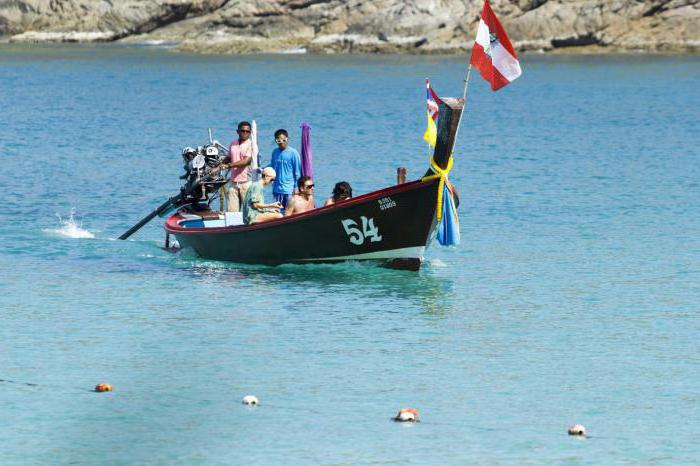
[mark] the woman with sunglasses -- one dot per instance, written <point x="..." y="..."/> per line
<point x="303" y="200"/>
<point x="341" y="192"/>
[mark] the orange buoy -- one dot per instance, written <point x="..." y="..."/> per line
<point x="407" y="415"/>
<point x="577" y="429"/>
<point x="103" y="387"/>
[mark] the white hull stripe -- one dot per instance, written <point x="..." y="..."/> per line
<point x="415" y="252"/>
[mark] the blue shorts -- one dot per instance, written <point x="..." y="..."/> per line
<point x="282" y="199"/>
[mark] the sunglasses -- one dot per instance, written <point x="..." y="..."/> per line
<point x="281" y="141"/>
<point x="244" y="131"/>
<point x="309" y="186"/>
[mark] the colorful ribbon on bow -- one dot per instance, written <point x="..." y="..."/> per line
<point x="442" y="174"/>
<point x="448" y="229"/>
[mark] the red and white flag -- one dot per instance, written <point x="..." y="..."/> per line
<point x="493" y="53"/>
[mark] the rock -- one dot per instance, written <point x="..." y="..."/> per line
<point x="380" y="26"/>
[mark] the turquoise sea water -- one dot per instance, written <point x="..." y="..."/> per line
<point x="574" y="297"/>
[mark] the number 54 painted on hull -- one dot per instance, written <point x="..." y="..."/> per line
<point x="357" y="236"/>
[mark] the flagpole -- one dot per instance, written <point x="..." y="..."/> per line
<point x="464" y="99"/>
<point x="427" y="86"/>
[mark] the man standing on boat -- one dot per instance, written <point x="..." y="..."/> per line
<point x="287" y="164"/>
<point x="241" y="153"/>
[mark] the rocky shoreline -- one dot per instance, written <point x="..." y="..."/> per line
<point x="357" y="26"/>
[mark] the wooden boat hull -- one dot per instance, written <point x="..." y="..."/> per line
<point x="392" y="226"/>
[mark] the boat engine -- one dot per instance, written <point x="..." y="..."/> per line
<point x="203" y="178"/>
<point x="202" y="173"/>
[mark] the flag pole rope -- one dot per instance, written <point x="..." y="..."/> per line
<point x="464" y="108"/>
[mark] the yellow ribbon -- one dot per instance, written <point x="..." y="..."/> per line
<point x="442" y="174"/>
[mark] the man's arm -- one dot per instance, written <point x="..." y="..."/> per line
<point x="229" y="164"/>
<point x="273" y="159"/>
<point x="256" y="202"/>
<point x="261" y="206"/>
<point x="241" y="163"/>
<point x="290" y="206"/>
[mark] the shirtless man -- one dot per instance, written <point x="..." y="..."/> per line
<point x="302" y="201"/>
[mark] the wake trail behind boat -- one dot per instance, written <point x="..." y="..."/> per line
<point x="70" y="228"/>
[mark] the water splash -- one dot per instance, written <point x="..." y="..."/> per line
<point x="70" y="228"/>
<point x="436" y="263"/>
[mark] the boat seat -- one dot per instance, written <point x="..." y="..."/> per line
<point x="208" y="214"/>
<point x="234" y="219"/>
<point x="187" y="216"/>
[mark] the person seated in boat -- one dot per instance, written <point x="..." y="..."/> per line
<point x="287" y="164"/>
<point x="255" y="210"/>
<point x="341" y="192"/>
<point x="303" y="200"/>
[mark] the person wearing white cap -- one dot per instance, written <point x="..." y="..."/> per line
<point x="254" y="208"/>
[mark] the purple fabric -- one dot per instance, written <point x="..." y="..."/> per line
<point x="307" y="160"/>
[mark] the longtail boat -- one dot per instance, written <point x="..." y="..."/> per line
<point x="392" y="226"/>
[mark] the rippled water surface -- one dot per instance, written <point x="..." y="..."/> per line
<point x="574" y="297"/>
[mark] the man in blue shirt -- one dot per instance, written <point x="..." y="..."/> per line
<point x="287" y="165"/>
